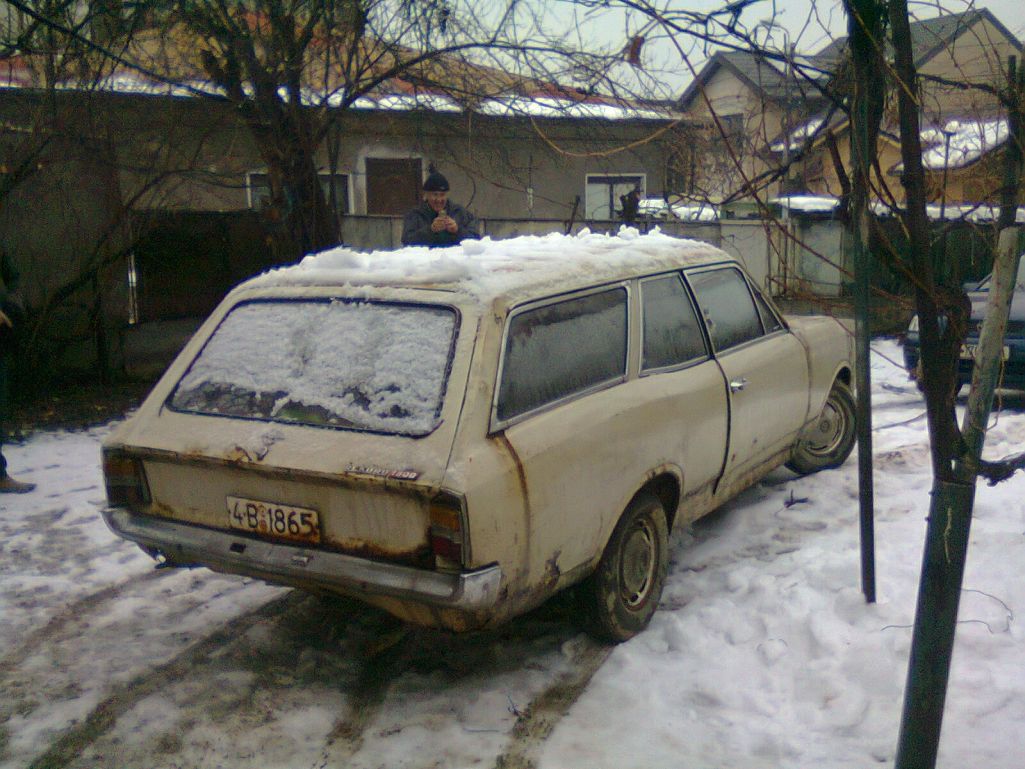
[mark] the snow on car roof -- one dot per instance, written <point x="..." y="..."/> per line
<point x="486" y="269"/>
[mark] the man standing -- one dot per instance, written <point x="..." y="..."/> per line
<point x="631" y="203"/>
<point x="438" y="221"/>
<point x="11" y="313"/>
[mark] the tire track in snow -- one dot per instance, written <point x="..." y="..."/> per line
<point x="259" y="667"/>
<point x="108" y="627"/>
<point x="65" y="749"/>
<point x="396" y="651"/>
<point x="69" y="619"/>
<point x="535" y="724"/>
<point x="367" y="695"/>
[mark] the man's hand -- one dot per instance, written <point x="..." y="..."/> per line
<point x="444" y="222"/>
<point x="4" y="320"/>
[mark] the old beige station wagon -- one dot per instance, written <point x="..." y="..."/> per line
<point x="455" y="435"/>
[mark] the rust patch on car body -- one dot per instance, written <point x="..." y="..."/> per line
<point x="420" y="556"/>
<point x="521" y="474"/>
<point x="527" y="523"/>
<point x="239" y="455"/>
<point x="552" y="572"/>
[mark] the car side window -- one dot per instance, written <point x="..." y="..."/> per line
<point x="727" y="306"/>
<point x="672" y="330"/>
<point x="563" y="348"/>
<point x="769" y="319"/>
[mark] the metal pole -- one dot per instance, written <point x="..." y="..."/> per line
<point x="862" y="337"/>
<point x="863" y="382"/>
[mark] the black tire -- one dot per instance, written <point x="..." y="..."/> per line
<point x="620" y="597"/>
<point x="829" y="441"/>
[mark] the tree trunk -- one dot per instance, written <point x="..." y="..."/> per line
<point x="950" y="511"/>
<point x="298" y="205"/>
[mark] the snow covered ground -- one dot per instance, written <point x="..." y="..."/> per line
<point x="764" y="653"/>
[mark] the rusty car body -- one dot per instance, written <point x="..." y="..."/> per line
<point x="454" y="436"/>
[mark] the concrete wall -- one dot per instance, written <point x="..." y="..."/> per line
<point x="60" y="225"/>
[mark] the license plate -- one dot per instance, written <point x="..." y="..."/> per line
<point x="968" y="351"/>
<point x="273" y="519"/>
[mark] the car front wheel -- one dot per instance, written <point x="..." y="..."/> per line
<point x="620" y="597"/>
<point x="829" y="441"/>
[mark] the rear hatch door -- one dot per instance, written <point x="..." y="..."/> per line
<point x="310" y="419"/>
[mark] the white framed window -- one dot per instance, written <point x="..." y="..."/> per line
<point x="603" y="191"/>
<point x="258" y="189"/>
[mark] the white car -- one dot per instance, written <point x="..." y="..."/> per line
<point x="456" y="434"/>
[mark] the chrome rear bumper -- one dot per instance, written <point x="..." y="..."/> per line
<point x="187" y="545"/>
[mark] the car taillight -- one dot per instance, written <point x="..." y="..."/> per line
<point x="125" y="479"/>
<point x="446" y="532"/>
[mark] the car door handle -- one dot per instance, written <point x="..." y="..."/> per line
<point x="736" y="385"/>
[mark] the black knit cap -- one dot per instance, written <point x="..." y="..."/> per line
<point x="435" y="182"/>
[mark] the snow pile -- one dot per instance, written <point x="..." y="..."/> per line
<point x="697" y="212"/>
<point x="687" y="212"/>
<point x="487" y="268"/>
<point x="969" y="212"/>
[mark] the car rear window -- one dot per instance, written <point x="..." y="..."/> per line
<point x="359" y="365"/>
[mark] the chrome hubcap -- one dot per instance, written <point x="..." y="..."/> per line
<point x="637" y="566"/>
<point x="829" y="431"/>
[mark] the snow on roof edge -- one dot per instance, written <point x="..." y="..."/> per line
<point x="519" y="106"/>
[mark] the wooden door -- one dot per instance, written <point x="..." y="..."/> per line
<point x="393" y="185"/>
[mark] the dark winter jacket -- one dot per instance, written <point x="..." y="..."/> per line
<point x="416" y="227"/>
<point x="10" y="301"/>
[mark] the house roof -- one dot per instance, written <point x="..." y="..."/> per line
<point x="169" y="65"/>
<point x="757" y="72"/>
<point x="928" y="37"/>
<point x="766" y="79"/>
<point x="960" y="143"/>
<point x="970" y="138"/>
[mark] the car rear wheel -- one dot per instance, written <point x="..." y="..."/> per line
<point x="620" y="597"/>
<point x="829" y="441"/>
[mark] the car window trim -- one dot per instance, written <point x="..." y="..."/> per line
<point x="737" y="267"/>
<point x="706" y="339"/>
<point x="496" y="424"/>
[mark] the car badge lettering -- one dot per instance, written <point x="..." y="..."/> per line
<point x="381" y="472"/>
